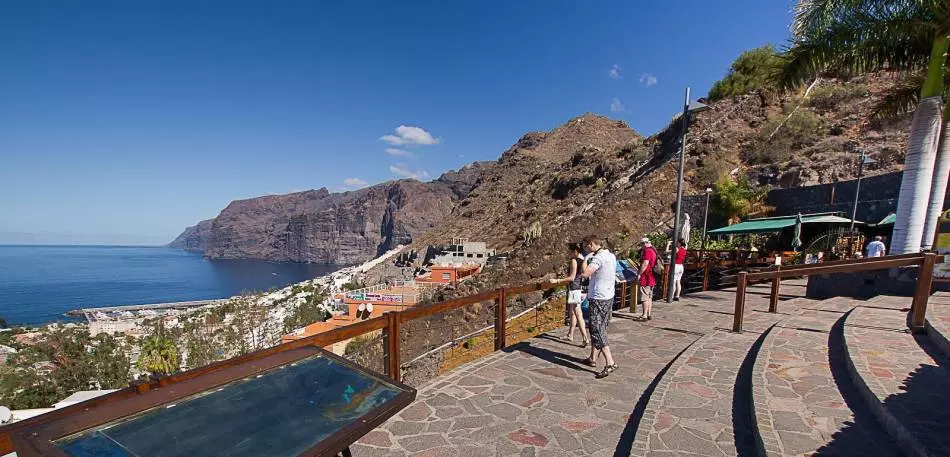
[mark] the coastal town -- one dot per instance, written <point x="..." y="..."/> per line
<point x="339" y="297"/>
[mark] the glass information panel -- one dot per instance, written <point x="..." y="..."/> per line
<point x="281" y="412"/>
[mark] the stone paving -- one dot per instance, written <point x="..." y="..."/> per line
<point x="536" y="398"/>
<point x="938" y="318"/>
<point x="903" y="377"/>
<point x="800" y="406"/>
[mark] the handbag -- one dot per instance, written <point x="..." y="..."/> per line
<point x="574" y="297"/>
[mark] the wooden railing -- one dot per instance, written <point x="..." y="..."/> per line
<point x="925" y="261"/>
<point x="390" y="323"/>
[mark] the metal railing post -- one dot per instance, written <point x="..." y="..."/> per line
<point x="922" y="294"/>
<point x="391" y="348"/>
<point x="740" y="302"/>
<point x="501" y="314"/>
<point x="776" y="284"/>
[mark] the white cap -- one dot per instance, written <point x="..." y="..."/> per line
<point x="645" y="240"/>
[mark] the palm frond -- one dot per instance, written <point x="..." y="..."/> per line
<point x="855" y="42"/>
<point x="902" y="98"/>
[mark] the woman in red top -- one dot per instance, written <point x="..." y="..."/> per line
<point x="678" y="270"/>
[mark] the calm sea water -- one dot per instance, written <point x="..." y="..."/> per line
<point x="40" y="283"/>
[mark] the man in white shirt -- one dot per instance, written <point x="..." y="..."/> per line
<point x="876" y="248"/>
<point x="601" y="269"/>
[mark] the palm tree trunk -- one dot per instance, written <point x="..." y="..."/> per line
<point x="938" y="189"/>
<point x="921" y="154"/>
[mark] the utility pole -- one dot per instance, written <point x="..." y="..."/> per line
<point x="679" y="199"/>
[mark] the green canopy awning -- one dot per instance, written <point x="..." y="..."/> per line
<point x="776" y="224"/>
<point x="889" y="220"/>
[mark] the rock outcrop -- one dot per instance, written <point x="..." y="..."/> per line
<point x="322" y="227"/>
<point x="194" y="238"/>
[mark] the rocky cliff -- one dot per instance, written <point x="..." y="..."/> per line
<point x="194" y="238"/>
<point x="339" y="228"/>
<point x="590" y="175"/>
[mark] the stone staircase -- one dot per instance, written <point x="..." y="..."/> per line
<point x="833" y="377"/>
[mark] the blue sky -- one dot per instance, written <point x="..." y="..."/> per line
<point x="123" y="122"/>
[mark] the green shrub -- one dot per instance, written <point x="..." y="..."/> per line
<point x="752" y="70"/>
<point x="801" y="130"/>
<point x="830" y="96"/>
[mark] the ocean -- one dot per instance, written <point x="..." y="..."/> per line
<point x="40" y="283"/>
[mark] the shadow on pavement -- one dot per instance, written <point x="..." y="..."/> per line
<point x="557" y="358"/>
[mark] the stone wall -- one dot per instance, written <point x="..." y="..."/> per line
<point x="878" y="198"/>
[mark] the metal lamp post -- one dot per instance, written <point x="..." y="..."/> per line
<point x="702" y="249"/>
<point x="865" y="160"/>
<point x="689" y="108"/>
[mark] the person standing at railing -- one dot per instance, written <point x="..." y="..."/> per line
<point x="600" y="267"/>
<point x="648" y="259"/>
<point x="679" y="261"/>
<point x="576" y="294"/>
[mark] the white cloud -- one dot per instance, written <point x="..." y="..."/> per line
<point x="406" y="134"/>
<point x="400" y="153"/>
<point x="648" y="80"/>
<point x="354" y="182"/>
<point x="616" y="106"/>
<point x="403" y="171"/>
<point x="614" y="72"/>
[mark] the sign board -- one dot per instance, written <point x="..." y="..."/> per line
<point x="942" y="246"/>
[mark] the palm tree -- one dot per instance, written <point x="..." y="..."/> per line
<point x="913" y="36"/>
<point x="158" y="355"/>
<point x="737" y="198"/>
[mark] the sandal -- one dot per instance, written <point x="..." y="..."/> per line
<point x="590" y="362"/>
<point x="583" y="344"/>
<point x="607" y="370"/>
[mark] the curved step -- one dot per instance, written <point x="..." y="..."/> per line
<point x="902" y="377"/>
<point x="938" y="321"/>
<point x="691" y="409"/>
<point x="804" y="401"/>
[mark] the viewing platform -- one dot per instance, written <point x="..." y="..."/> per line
<point x="754" y="370"/>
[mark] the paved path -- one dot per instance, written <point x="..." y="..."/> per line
<point x="903" y="377"/>
<point x="536" y="398"/>
<point x="804" y="401"/>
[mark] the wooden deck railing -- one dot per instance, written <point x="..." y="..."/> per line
<point x="390" y="323"/>
<point x="925" y="261"/>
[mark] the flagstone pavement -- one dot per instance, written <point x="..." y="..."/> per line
<point x="537" y="398"/>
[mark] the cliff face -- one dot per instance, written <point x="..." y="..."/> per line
<point x="317" y="226"/>
<point x="194" y="238"/>
<point x="592" y="175"/>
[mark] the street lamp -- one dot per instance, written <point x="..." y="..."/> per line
<point x="865" y="160"/>
<point x="689" y="108"/>
<point x="702" y="249"/>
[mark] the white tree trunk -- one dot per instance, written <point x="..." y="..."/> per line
<point x="938" y="189"/>
<point x="917" y="178"/>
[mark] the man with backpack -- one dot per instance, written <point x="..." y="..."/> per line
<point x="649" y="267"/>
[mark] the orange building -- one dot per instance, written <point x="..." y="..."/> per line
<point x="362" y="304"/>
<point x="449" y="274"/>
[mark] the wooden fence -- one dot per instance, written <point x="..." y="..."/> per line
<point x="925" y="261"/>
